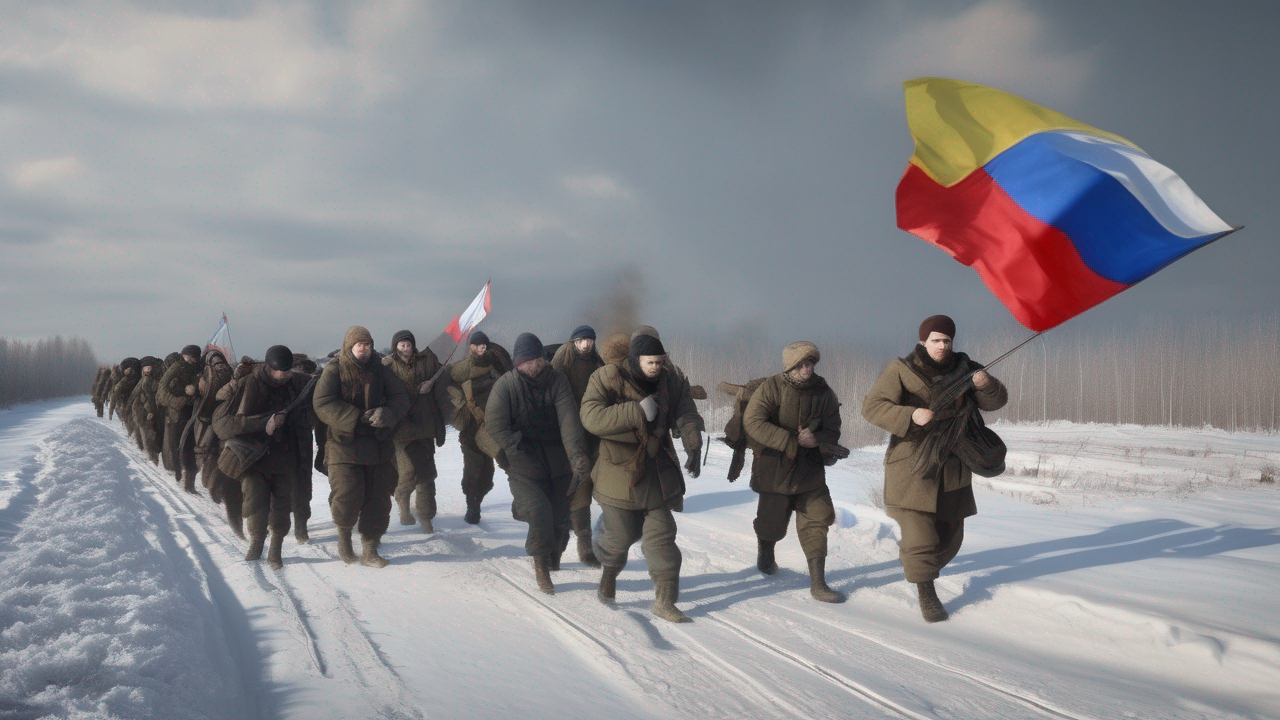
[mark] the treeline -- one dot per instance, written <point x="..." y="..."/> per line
<point x="48" y="368"/>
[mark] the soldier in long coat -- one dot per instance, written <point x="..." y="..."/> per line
<point x="788" y="417"/>
<point x="632" y="408"/>
<point x="930" y="504"/>
<point x="423" y="428"/>
<point x="130" y="373"/>
<point x="177" y="394"/>
<point x="264" y="431"/>
<point x="472" y="379"/>
<point x="578" y="360"/>
<point x="148" y="416"/>
<point x="532" y="415"/>
<point x="306" y="368"/>
<point x="98" y="393"/>
<point x="360" y="401"/>
<point x="215" y="376"/>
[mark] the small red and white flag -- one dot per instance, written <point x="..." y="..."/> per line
<point x="478" y="310"/>
<point x="221" y="341"/>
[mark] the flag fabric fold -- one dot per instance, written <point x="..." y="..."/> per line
<point x="221" y="341"/>
<point x="1056" y="216"/>
<point x="462" y="325"/>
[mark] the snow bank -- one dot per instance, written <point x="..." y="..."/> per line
<point x="101" y="614"/>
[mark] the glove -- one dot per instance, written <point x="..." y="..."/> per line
<point x="576" y="483"/>
<point x="694" y="463"/>
<point x="650" y="407"/>
<point x="380" y="417"/>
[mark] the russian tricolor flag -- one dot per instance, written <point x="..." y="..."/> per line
<point x="1056" y="216"/>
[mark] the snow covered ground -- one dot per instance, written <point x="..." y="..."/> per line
<point x="1115" y="571"/>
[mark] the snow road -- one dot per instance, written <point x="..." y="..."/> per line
<point x="1078" y="594"/>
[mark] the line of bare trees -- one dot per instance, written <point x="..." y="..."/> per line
<point x="47" y="368"/>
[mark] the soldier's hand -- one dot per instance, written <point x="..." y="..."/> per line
<point x="275" y="422"/>
<point x="922" y="416"/>
<point x="191" y="390"/>
<point x="366" y="417"/>
<point x="807" y="438"/>
<point x="981" y="378"/>
<point x="151" y="416"/>
<point x="694" y="463"/>
<point x="425" y="387"/>
<point x="650" y="407"/>
<point x="380" y="417"/>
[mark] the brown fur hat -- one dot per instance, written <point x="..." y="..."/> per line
<point x="798" y="352"/>
<point x="614" y="349"/>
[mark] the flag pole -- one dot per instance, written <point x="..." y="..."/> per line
<point x="1015" y="349"/>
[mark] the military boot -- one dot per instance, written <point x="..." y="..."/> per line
<point x="553" y="561"/>
<point x="473" y="509"/>
<point x="425" y="506"/>
<point x="235" y="521"/>
<point x="666" y="593"/>
<point x="608" y="584"/>
<point x="581" y="521"/>
<point x="930" y="606"/>
<point x="424" y="522"/>
<point x="765" y="562"/>
<point x="215" y="490"/>
<point x="273" y="553"/>
<point x="257" y="535"/>
<point x="369" y="551"/>
<point x="300" y="533"/>
<point x="406" y="517"/>
<point x="542" y="573"/>
<point x="818" y="582"/>
<point x="189" y="484"/>
<point x="345" y="551"/>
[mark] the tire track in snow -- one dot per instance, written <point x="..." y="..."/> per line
<point x="1041" y="706"/>
<point x="355" y="651"/>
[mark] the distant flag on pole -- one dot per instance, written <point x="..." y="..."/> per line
<point x="1056" y="216"/>
<point x="221" y="341"/>
<point x="461" y="326"/>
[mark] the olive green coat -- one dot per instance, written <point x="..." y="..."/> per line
<point x="348" y="441"/>
<point x="897" y="393"/>
<point x="772" y="421"/>
<point x="172" y="391"/>
<point x="577" y="367"/>
<point x="535" y="422"/>
<point x="429" y="413"/>
<point x="637" y="467"/>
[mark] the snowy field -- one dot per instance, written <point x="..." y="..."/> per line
<point x="1114" y="571"/>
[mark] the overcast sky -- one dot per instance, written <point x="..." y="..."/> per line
<point x="306" y="166"/>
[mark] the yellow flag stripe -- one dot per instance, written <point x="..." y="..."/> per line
<point x="959" y="126"/>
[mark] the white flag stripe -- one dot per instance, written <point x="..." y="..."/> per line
<point x="1160" y="190"/>
<point x="474" y="313"/>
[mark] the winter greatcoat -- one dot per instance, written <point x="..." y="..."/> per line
<point x="905" y="385"/>
<point x="535" y="421"/>
<point x="773" y="419"/>
<point x="429" y="413"/>
<point x="339" y="405"/>
<point x="637" y="467"/>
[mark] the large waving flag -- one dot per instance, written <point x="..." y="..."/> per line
<point x="221" y="341"/>
<point x="1056" y="216"/>
<point x="462" y="325"/>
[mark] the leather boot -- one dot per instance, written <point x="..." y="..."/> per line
<point x="608" y="584"/>
<point x="818" y="582"/>
<point x="345" y="551"/>
<point x="765" y="562"/>
<point x="542" y="573"/>
<point x="581" y="522"/>
<point x="930" y="606"/>
<point x="189" y="483"/>
<point x="473" y="510"/>
<point x="215" y="490"/>
<point x="273" y="553"/>
<point x="369" y="551"/>
<point x="406" y="517"/>
<point x="666" y="593"/>
<point x="300" y="533"/>
<point x="424" y="522"/>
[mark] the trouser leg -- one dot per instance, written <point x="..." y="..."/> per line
<point x="375" y="510"/>
<point x="927" y="544"/>
<point x="815" y="514"/>
<point x="300" y="497"/>
<point x="346" y="493"/>
<point x="477" y="471"/>
<point x="619" y="530"/>
<point x="773" y="512"/>
<point x="423" y="456"/>
<point x="659" y="543"/>
<point x="532" y="504"/>
<point x="280" y="486"/>
<point x="406" y="477"/>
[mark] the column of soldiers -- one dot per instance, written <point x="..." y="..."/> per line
<point x="567" y="426"/>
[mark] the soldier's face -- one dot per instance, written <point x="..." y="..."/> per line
<point x="584" y="345"/>
<point x="190" y="360"/>
<point x="651" y="365"/>
<point x="280" y="376"/>
<point x="362" y="350"/>
<point x="128" y="371"/>
<point x="804" y="370"/>
<point x="147" y="370"/>
<point x="479" y="350"/>
<point x="405" y="348"/>
<point x="532" y="368"/>
<point x="937" y="345"/>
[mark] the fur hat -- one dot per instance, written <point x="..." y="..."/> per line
<point x="615" y="348"/>
<point x="192" y="351"/>
<point x="798" y="352"/>
<point x="583" y="332"/>
<point x="528" y="347"/>
<point x="355" y="334"/>
<point x="402" y="335"/>
<point x="937" y="323"/>
<point x="649" y="330"/>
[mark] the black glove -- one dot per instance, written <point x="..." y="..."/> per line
<point x="694" y="463"/>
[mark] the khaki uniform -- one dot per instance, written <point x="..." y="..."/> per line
<point x="421" y="431"/>
<point x="178" y="406"/>
<point x="472" y="380"/>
